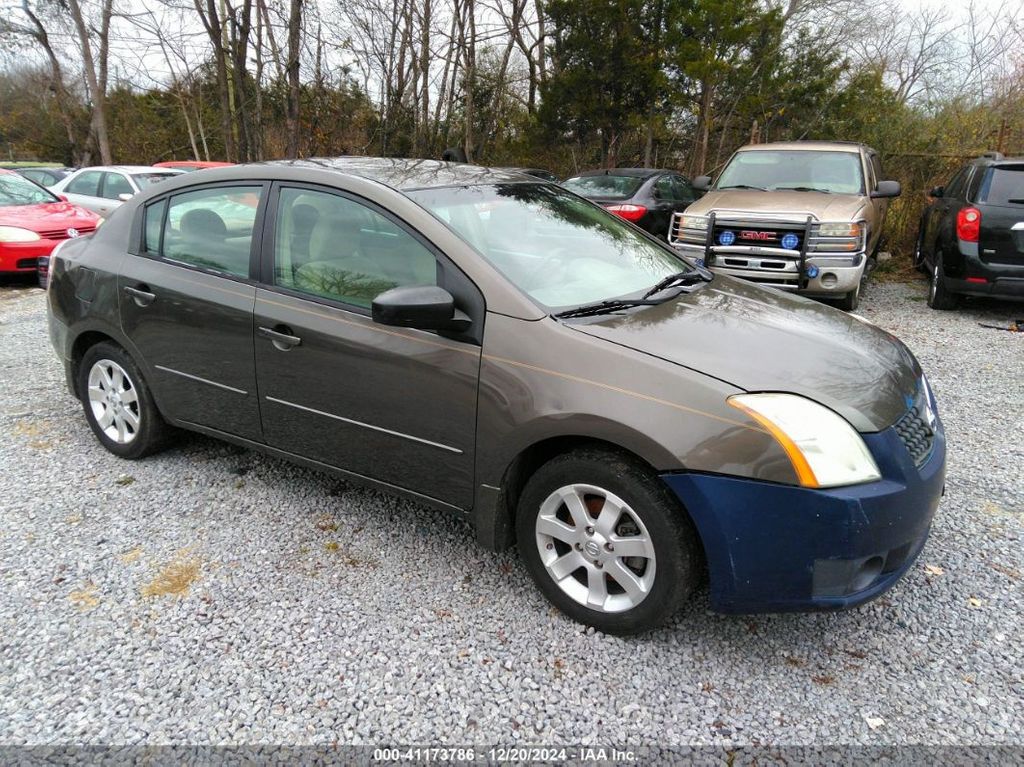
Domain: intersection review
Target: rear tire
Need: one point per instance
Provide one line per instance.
(919, 263)
(578, 516)
(938, 297)
(118, 404)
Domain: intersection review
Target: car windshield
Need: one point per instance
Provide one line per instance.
(17, 190)
(144, 180)
(798, 169)
(559, 249)
(604, 186)
(1003, 186)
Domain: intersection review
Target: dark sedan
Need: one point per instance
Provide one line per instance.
(971, 239)
(495, 346)
(647, 197)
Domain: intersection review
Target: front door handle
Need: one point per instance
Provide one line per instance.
(142, 297)
(282, 339)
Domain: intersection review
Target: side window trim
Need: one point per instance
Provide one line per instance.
(269, 235)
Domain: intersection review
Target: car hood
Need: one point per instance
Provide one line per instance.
(795, 206)
(48, 216)
(759, 339)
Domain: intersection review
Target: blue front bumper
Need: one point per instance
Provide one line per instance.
(777, 548)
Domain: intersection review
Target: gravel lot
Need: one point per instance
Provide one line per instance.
(212, 595)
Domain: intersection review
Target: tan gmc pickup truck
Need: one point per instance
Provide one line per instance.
(802, 216)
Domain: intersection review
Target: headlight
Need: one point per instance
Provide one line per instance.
(693, 222)
(839, 229)
(17, 234)
(824, 449)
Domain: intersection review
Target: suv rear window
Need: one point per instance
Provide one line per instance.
(607, 187)
(1003, 185)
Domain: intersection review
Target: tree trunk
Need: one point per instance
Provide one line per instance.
(703, 129)
(294, 86)
(215, 31)
(95, 73)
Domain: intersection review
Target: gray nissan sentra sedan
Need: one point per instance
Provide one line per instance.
(495, 346)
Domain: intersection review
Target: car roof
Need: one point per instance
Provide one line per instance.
(396, 173)
(635, 172)
(996, 160)
(818, 146)
(132, 169)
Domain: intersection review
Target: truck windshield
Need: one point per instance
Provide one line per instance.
(561, 250)
(794, 169)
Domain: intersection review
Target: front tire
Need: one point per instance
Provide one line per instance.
(851, 300)
(938, 296)
(606, 542)
(118, 404)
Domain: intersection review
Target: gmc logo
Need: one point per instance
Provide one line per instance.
(750, 235)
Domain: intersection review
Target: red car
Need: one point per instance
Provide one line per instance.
(33, 221)
(188, 165)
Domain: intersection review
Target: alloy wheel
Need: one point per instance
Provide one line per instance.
(595, 548)
(114, 401)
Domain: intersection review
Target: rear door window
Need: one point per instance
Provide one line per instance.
(114, 185)
(210, 228)
(1003, 185)
(957, 185)
(87, 183)
(684, 189)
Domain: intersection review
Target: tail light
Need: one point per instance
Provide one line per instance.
(968, 224)
(628, 212)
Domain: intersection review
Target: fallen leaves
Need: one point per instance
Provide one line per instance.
(934, 570)
(85, 598)
(175, 578)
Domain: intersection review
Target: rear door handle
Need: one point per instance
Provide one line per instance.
(282, 340)
(142, 297)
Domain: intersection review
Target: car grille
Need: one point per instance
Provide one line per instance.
(915, 433)
(62, 234)
(758, 236)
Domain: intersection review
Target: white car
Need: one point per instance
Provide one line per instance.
(103, 188)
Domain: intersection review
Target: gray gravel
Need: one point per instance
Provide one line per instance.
(212, 595)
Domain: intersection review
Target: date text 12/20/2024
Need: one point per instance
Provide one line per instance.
(504, 754)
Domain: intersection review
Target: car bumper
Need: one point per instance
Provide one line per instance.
(836, 275)
(778, 548)
(982, 278)
(22, 257)
(59, 340)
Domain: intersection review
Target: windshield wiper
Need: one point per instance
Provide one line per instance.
(605, 307)
(744, 186)
(802, 189)
(689, 277)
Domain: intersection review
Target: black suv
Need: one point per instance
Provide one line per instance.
(971, 238)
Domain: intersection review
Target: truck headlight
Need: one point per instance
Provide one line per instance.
(825, 450)
(17, 234)
(839, 229)
(689, 221)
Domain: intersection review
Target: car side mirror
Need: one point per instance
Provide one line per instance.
(937, 191)
(425, 307)
(124, 197)
(702, 183)
(887, 189)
